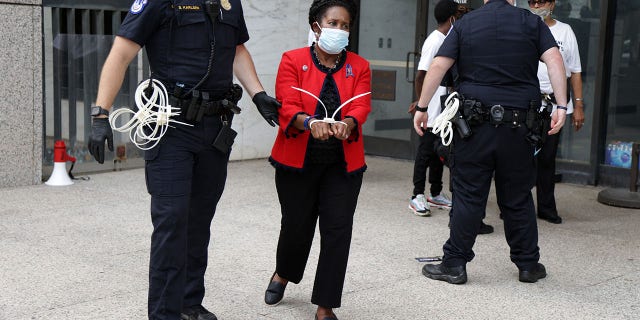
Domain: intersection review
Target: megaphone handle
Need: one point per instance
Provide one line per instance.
(72, 164)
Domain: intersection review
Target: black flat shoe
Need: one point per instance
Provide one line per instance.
(326, 318)
(553, 218)
(197, 313)
(274, 293)
(454, 275)
(531, 276)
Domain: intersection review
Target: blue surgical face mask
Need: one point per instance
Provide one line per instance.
(333, 41)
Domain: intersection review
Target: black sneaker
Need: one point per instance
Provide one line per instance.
(531, 276)
(454, 275)
(197, 312)
(485, 228)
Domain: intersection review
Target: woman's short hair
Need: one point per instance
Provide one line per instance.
(319, 8)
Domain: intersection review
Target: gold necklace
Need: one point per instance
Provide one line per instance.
(335, 64)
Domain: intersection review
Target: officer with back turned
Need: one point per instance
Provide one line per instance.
(194, 48)
(496, 49)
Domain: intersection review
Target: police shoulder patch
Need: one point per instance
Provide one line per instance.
(138, 6)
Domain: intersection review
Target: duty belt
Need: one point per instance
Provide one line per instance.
(497, 115)
(476, 113)
(198, 105)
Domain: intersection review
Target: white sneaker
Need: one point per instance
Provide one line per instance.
(440, 201)
(420, 206)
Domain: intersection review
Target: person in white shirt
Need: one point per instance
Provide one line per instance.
(426, 157)
(568, 45)
(446, 13)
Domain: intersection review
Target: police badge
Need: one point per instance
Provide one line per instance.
(225, 4)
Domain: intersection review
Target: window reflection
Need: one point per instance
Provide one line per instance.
(623, 113)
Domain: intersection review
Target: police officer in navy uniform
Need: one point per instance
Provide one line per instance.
(496, 49)
(194, 48)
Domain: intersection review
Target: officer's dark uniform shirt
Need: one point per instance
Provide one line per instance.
(177, 36)
(497, 48)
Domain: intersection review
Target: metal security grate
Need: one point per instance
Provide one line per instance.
(77, 38)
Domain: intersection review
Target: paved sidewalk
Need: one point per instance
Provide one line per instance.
(81, 252)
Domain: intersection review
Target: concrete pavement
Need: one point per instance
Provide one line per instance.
(81, 252)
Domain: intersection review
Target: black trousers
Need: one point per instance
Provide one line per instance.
(185, 176)
(323, 193)
(502, 150)
(426, 157)
(545, 183)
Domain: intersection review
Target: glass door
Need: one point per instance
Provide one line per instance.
(389, 40)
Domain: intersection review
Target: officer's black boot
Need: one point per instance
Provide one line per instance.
(532, 275)
(553, 217)
(454, 275)
(485, 228)
(197, 313)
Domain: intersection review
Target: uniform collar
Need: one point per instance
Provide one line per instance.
(496, 1)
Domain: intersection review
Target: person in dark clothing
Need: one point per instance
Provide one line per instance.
(194, 50)
(496, 49)
(318, 154)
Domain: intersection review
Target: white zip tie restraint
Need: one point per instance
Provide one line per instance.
(442, 123)
(153, 118)
(326, 119)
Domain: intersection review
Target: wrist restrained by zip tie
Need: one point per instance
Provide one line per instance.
(326, 119)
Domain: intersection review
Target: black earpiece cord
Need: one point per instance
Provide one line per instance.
(212, 8)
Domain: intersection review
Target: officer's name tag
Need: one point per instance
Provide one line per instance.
(189, 8)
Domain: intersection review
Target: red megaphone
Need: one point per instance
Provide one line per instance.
(59, 176)
(60, 152)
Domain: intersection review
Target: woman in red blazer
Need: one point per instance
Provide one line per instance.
(319, 165)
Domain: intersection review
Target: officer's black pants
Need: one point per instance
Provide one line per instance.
(426, 157)
(325, 193)
(505, 151)
(545, 183)
(185, 177)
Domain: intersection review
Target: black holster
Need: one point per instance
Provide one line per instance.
(473, 112)
(201, 104)
(538, 122)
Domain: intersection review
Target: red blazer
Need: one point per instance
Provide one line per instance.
(298, 70)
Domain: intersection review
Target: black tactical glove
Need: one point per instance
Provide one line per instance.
(100, 131)
(267, 106)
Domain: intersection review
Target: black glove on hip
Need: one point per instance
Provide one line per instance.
(100, 131)
(267, 106)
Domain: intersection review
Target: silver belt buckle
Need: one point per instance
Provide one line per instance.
(497, 114)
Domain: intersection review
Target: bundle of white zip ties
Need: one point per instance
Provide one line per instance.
(442, 123)
(153, 118)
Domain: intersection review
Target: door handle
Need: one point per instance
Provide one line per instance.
(416, 55)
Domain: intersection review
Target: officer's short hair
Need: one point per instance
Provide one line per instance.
(444, 10)
(319, 8)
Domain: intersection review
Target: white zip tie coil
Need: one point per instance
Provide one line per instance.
(154, 116)
(442, 123)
